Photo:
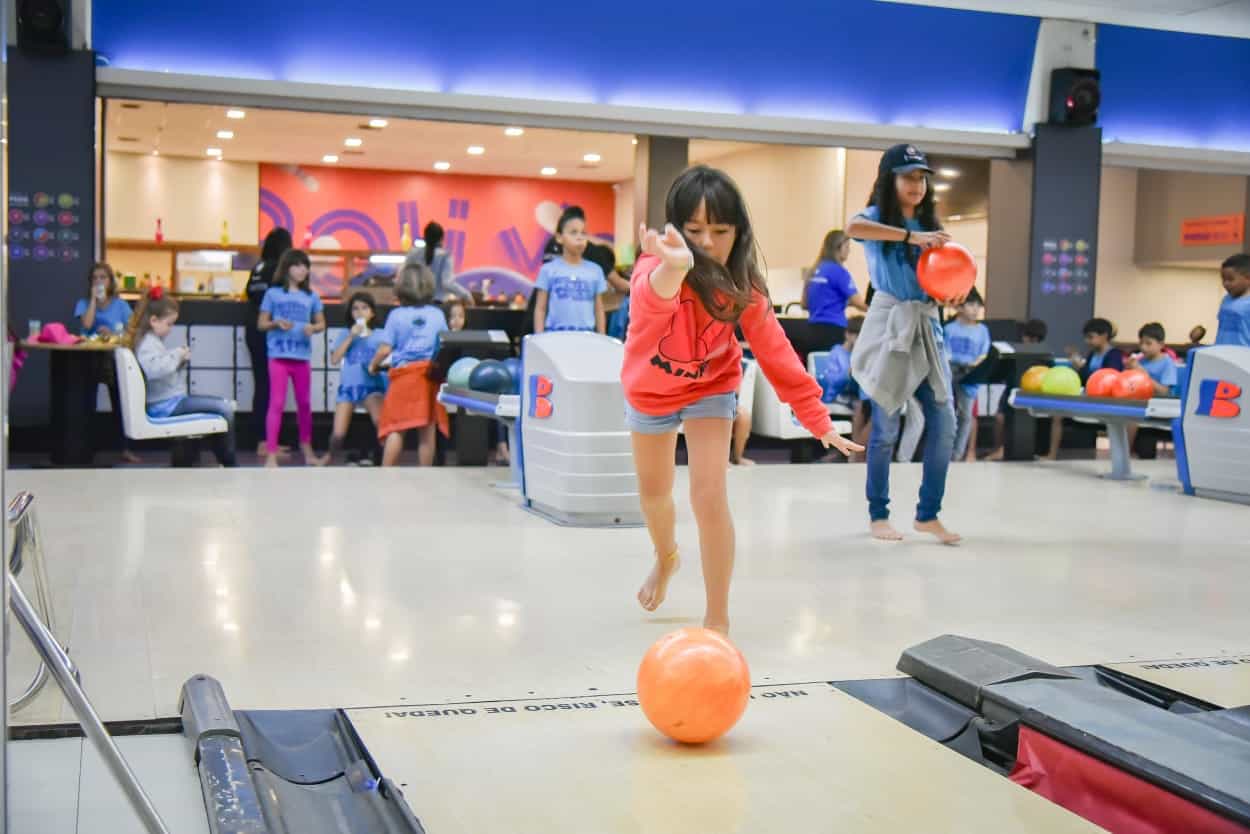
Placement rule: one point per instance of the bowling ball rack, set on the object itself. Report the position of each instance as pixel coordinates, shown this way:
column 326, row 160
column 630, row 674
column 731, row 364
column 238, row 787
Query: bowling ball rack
column 1117, row 415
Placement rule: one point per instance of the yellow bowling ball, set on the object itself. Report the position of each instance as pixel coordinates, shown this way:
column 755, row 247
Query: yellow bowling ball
column 1032, row 379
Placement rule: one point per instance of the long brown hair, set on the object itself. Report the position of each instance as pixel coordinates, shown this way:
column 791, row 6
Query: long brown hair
column 96, row 267
column 155, row 303
column 282, row 275
column 831, row 248
column 725, row 290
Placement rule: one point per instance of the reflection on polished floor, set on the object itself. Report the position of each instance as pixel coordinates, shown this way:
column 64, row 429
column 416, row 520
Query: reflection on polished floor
column 351, row 587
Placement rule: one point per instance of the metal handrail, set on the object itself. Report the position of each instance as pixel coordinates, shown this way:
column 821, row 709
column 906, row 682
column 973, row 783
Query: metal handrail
column 27, row 549
column 59, row 665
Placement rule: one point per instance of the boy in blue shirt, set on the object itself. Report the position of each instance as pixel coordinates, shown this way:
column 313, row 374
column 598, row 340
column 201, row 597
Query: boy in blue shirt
column 1162, row 370
column 1153, row 359
column 569, row 289
column 1235, row 308
column 967, row 344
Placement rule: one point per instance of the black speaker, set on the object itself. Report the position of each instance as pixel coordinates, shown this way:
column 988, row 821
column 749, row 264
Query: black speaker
column 1074, row 96
column 43, row 25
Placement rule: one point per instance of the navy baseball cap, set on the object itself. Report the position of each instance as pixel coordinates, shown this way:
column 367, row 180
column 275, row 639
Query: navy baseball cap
column 903, row 158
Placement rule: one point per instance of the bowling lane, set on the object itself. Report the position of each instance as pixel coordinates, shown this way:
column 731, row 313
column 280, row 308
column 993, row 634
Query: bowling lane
column 1223, row 681
column 804, row 758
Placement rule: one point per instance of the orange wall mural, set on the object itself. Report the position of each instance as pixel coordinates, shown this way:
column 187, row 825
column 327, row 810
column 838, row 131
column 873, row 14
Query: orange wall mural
column 493, row 223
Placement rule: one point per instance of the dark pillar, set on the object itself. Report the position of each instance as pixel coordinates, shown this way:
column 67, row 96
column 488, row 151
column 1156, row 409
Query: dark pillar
column 657, row 162
column 52, row 167
column 1067, row 170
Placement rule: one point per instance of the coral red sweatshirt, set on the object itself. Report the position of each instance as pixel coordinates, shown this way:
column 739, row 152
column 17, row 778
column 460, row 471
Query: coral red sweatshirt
column 676, row 353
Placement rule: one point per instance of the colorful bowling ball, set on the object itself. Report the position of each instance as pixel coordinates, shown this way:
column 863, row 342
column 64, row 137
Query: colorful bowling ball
column 946, row 272
column 693, row 685
column 491, row 377
column 514, row 369
column 1134, row 385
column 1032, row 379
column 458, row 373
column 1062, row 381
column 1101, row 383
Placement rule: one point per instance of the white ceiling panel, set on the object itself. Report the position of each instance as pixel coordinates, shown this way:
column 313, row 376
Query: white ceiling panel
column 1228, row 18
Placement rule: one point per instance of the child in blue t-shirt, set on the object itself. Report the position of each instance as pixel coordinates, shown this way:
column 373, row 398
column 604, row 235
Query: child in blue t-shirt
column 353, row 352
column 102, row 313
column 967, row 344
column 569, row 289
column 1162, row 369
column 1153, row 360
column 411, row 339
column 290, row 315
column 1235, row 308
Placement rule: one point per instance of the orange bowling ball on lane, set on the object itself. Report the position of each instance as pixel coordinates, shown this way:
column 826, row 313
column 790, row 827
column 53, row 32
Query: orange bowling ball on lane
column 693, row 685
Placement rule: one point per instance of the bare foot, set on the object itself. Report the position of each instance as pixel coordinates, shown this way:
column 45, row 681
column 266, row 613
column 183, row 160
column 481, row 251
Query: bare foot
column 717, row 625
column 997, row 454
column 885, row 531
column 653, row 591
column 130, row 457
column 935, row 529
column 262, row 450
column 1050, row 456
column 271, row 461
column 311, row 458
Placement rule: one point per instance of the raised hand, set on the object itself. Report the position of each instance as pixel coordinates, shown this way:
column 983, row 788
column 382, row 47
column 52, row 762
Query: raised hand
column 670, row 247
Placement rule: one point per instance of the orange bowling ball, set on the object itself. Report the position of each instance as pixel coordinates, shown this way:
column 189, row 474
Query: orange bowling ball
column 1031, row 380
column 1101, row 383
column 1134, row 385
column 693, row 685
column 946, row 272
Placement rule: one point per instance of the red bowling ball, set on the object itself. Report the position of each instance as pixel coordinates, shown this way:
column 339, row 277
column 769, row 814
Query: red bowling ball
column 1134, row 385
column 946, row 272
column 1101, row 383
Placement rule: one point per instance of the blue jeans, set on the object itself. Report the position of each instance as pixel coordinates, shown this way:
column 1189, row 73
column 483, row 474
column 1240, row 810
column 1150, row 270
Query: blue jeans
column 963, row 421
column 939, row 421
column 223, row 444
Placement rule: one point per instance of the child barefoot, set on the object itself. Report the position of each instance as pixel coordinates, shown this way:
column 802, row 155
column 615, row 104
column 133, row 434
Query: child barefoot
column 291, row 314
column 353, row 353
column 695, row 282
column 899, row 222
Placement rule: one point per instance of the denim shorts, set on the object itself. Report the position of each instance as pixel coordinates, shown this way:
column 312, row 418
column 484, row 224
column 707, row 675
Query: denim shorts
column 716, row 406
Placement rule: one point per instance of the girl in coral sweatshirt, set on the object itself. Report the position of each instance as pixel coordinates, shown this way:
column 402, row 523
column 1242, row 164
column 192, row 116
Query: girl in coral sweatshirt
column 695, row 282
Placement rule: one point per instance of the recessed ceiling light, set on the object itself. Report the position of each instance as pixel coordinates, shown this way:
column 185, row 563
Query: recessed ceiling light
column 949, row 173
column 942, row 186
column 378, row 123
column 475, row 150
column 353, row 142
column 592, row 157
column 442, row 166
column 514, row 131
column 548, row 171
column 635, row 140
column 330, row 158
column 212, row 151
column 225, row 134
column 236, row 114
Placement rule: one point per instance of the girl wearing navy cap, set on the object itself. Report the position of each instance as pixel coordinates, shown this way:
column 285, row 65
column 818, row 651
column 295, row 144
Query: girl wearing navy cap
column 899, row 222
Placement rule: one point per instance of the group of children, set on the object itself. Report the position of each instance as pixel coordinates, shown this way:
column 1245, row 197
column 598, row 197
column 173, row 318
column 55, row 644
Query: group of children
column 401, row 399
